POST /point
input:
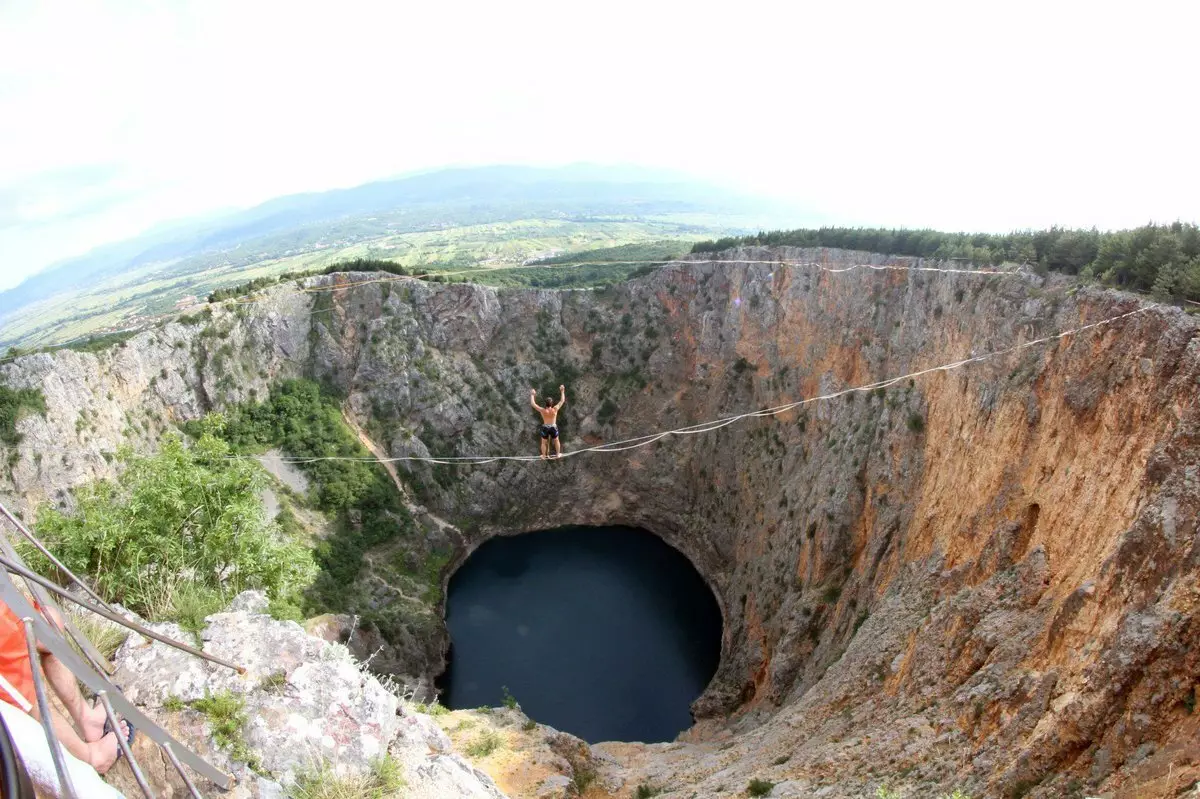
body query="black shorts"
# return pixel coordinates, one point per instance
(549, 431)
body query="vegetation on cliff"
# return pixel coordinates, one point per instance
(306, 423)
(176, 534)
(15, 402)
(1164, 259)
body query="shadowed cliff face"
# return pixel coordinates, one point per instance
(982, 577)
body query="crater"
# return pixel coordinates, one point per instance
(604, 632)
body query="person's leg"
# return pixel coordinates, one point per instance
(545, 448)
(90, 719)
(557, 447)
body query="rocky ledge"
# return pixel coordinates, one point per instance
(304, 706)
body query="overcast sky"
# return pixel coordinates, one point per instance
(117, 115)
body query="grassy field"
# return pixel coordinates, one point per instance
(498, 250)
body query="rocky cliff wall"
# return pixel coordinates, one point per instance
(982, 577)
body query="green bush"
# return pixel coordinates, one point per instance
(758, 787)
(916, 422)
(585, 775)
(14, 403)
(226, 714)
(607, 412)
(646, 791)
(174, 531)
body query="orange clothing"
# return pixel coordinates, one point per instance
(14, 657)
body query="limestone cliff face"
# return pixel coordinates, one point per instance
(983, 577)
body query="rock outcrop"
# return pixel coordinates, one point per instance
(982, 578)
(305, 705)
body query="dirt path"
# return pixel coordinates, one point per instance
(381, 457)
(377, 452)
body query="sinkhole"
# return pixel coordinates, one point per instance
(607, 633)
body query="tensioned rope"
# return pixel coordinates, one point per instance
(716, 424)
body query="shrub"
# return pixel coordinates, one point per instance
(607, 412)
(585, 775)
(510, 701)
(202, 315)
(15, 403)
(916, 422)
(645, 791)
(174, 531)
(226, 713)
(757, 787)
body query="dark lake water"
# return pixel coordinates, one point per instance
(603, 632)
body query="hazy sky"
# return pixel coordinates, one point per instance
(118, 115)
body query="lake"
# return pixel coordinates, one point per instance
(606, 633)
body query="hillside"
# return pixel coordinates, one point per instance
(450, 218)
(981, 578)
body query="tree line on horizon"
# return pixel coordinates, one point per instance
(1161, 259)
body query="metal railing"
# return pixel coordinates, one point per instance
(92, 669)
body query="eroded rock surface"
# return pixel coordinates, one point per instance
(306, 703)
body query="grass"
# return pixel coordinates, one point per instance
(434, 708)
(226, 714)
(106, 636)
(320, 781)
(484, 744)
(646, 791)
(190, 604)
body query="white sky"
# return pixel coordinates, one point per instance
(955, 115)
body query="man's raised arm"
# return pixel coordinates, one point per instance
(562, 397)
(533, 399)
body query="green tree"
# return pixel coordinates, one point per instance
(185, 518)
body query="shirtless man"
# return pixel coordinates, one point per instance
(549, 421)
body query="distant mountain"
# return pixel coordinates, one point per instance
(448, 196)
